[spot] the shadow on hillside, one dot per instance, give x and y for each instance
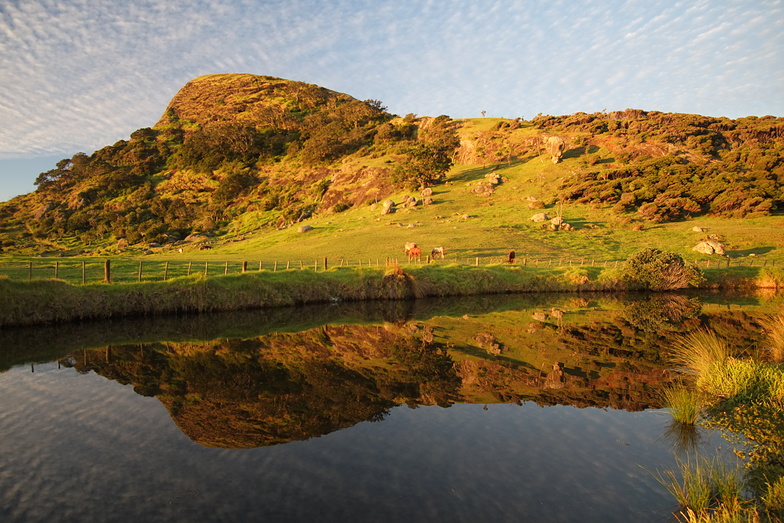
(478, 173)
(747, 252)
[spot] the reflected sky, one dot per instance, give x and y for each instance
(79, 447)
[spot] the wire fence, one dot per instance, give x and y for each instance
(134, 270)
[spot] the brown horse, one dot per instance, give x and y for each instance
(415, 252)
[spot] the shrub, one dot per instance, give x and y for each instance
(652, 269)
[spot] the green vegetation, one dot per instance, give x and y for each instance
(238, 160)
(652, 269)
(43, 301)
(744, 396)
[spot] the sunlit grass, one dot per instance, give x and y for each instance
(700, 351)
(703, 484)
(774, 328)
(684, 403)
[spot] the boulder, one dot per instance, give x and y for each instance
(540, 217)
(493, 178)
(555, 147)
(427, 192)
(697, 229)
(483, 189)
(304, 228)
(709, 247)
(193, 238)
(388, 207)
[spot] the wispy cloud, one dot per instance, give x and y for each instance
(79, 74)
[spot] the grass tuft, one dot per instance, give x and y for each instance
(775, 331)
(684, 403)
(700, 351)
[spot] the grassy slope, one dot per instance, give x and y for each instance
(470, 226)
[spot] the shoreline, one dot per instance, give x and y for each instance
(41, 302)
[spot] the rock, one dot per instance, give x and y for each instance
(304, 228)
(540, 217)
(539, 316)
(427, 192)
(192, 238)
(709, 247)
(483, 189)
(555, 147)
(697, 229)
(122, 244)
(388, 207)
(557, 221)
(536, 204)
(493, 178)
(427, 201)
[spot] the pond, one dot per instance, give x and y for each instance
(490, 409)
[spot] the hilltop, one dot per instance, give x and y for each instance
(240, 163)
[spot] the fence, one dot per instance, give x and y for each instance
(129, 270)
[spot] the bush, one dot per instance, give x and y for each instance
(652, 269)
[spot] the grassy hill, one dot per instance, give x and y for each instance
(239, 163)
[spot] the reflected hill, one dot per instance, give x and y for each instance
(280, 387)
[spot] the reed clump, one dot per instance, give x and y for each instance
(741, 395)
(685, 403)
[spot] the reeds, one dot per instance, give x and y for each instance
(706, 484)
(700, 351)
(774, 327)
(684, 403)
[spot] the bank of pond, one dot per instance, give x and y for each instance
(518, 406)
(44, 301)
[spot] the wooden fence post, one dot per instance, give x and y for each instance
(275, 267)
(206, 267)
(226, 269)
(189, 268)
(107, 271)
(260, 265)
(29, 271)
(315, 265)
(301, 265)
(140, 271)
(84, 270)
(244, 267)
(288, 264)
(476, 263)
(325, 263)
(166, 271)
(56, 270)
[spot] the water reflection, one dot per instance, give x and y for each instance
(93, 440)
(280, 386)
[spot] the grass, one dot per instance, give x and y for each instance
(684, 403)
(745, 397)
(775, 331)
(701, 351)
(705, 483)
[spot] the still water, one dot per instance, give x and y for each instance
(504, 409)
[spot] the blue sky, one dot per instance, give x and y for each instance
(76, 75)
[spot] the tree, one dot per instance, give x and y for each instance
(428, 159)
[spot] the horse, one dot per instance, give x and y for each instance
(415, 252)
(409, 246)
(438, 252)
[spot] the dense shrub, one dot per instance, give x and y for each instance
(652, 269)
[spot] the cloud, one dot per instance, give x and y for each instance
(71, 81)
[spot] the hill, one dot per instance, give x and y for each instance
(236, 161)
